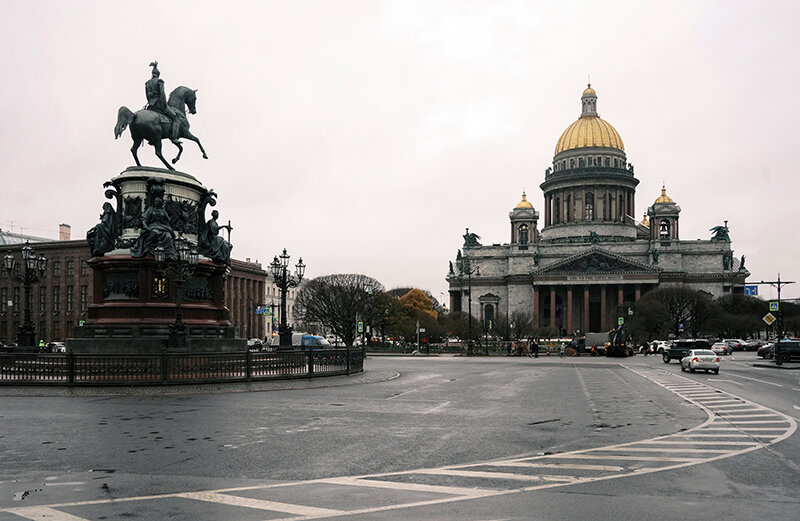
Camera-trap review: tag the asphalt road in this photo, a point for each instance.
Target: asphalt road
(428, 438)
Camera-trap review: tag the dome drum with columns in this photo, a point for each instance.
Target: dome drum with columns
(591, 255)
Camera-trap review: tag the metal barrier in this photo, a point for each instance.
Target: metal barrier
(174, 368)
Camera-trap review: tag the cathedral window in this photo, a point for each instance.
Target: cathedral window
(523, 234)
(572, 163)
(557, 211)
(663, 229)
(580, 162)
(608, 162)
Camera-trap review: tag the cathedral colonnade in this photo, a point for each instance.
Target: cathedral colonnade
(590, 307)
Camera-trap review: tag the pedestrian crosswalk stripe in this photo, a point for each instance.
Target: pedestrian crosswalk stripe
(494, 475)
(227, 499)
(416, 487)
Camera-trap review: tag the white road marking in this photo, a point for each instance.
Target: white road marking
(721, 380)
(239, 501)
(528, 464)
(688, 442)
(416, 487)
(44, 514)
(401, 394)
(757, 380)
(65, 484)
(494, 475)
(437, 408)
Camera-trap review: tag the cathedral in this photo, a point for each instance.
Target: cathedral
(591, 257)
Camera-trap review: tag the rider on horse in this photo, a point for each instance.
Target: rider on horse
(157, 101)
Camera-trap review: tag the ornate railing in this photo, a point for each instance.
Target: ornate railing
(174, 368)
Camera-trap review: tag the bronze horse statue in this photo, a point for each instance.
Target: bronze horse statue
(151, 126)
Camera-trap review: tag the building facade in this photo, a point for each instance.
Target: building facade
(61, 299)
(591, 256)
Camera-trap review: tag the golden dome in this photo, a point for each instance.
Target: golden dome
(664, 197)
(524, 203)
(587, 132)
(645, 220)
(590, 131)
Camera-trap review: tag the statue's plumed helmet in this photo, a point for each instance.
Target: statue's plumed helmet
(156, 72)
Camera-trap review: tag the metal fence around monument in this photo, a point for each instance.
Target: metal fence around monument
(71, 369)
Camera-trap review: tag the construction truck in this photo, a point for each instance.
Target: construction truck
(584, 344)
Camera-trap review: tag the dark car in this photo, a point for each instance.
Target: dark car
(787, 350)
(681, 348)
(767, 351)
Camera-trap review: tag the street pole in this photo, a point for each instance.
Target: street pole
(778, 284)
(284, 280)
(34, 269)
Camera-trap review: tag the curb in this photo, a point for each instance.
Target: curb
(776, 366)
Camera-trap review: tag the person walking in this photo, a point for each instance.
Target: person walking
(561, 351)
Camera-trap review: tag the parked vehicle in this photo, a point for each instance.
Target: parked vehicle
(786, 350)
(704, 359)
(583, 344)
(754, 344)
(56, 347)
(767, 351)
(721, 348)
(306, 341)
(737, 344)
(255, 344)
(680, 348)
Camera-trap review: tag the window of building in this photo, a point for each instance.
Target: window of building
(84, 268)
(16, 300)
(4, 299)
(42, 299)
(42, 332)
(523, 234)
(56, 268)
(70, 268)
(84, 297)
(663, 229)
(488, 313)
(56, 330)
(581, 162)
(572, 163)
(69, 296)
(56, 300)
(608, 162)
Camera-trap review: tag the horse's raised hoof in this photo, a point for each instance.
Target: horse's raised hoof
(175, 160)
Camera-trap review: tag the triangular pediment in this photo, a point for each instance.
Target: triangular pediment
(596, 260)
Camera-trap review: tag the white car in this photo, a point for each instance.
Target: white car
(721, 348)
(704, 359)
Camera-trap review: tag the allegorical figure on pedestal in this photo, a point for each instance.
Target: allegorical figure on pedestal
(212, 244)
(102, 236)
(156, 232)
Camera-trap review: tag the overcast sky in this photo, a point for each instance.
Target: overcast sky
(365, 136)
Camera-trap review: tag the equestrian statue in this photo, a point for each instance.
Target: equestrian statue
(161, 118)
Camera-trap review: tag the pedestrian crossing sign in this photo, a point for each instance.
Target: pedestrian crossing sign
(773, 305)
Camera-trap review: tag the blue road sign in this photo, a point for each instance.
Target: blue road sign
(751, 290)
(773, 305)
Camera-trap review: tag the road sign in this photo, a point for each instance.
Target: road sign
(769, 318)
(81, 322)
(360, 326)
(680, 327)
(422, 330)
(773, 305)
(751, 290)
(620, 321)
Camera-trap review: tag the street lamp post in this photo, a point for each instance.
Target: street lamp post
(181, 269)
(464, 269)
(285, 280)
(34, 269)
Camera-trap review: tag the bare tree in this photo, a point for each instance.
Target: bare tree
(338, 302)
